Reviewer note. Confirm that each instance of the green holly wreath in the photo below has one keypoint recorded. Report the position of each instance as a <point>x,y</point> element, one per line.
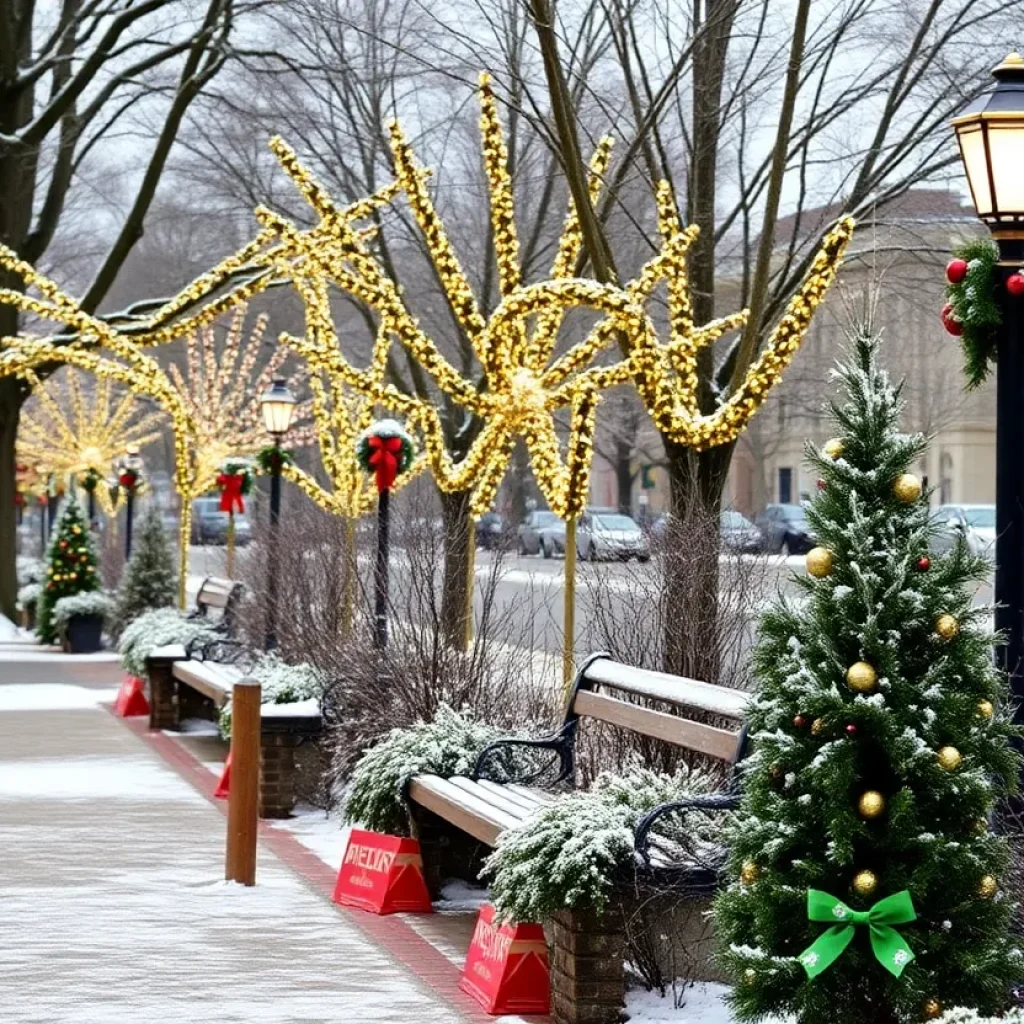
<point>971,311</point>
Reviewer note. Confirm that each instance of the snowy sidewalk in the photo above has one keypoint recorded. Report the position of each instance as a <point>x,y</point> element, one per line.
<point>111,906</point>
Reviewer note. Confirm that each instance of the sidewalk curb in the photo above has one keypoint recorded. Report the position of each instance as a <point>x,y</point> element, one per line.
<point>390,934</point>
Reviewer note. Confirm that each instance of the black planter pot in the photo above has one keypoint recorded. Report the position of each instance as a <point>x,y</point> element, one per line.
<point>85,634</point>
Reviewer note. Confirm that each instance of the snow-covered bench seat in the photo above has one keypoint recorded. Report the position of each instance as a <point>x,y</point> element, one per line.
<point>586,969</point>
<point>184,687</point>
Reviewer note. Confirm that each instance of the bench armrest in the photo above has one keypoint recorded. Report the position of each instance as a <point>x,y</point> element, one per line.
<point>706,802</point>
<point>223,649</point>
<point>561,743</point>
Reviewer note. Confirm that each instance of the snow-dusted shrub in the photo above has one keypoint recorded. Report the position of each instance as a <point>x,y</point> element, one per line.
<point>155,629</point>
<point>281,683</point>
<point>570,854</point>
<point>93,602</point>
<point>30,570</point>
<point>965,1015</point>
<point>448,745</point>
<point>28,595</point>
<point>150,579</point>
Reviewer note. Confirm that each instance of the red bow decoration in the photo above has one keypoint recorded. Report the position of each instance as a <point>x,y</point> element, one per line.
<point>230,485</point>
<point>384,452</point>
<point>128,479</point>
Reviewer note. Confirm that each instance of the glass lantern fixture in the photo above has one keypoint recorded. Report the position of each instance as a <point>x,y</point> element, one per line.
<point>278,405</point>
<point>990,131</point>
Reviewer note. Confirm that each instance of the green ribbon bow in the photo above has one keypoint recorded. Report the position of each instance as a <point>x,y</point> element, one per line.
<point>886,943</point>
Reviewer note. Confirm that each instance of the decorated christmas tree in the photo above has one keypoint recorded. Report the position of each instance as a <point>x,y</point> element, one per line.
<point>866,877</point>
<point>71,567</point>
<point>150,579</point>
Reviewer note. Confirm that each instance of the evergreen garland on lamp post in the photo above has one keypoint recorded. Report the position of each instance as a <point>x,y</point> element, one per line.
<point>91,479</point>
<point>385,449</point>
<point>129,478</point>
<point>866,882</point>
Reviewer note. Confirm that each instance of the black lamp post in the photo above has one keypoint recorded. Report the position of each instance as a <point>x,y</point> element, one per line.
<point>990,132</point>
<point>131,470</point>
<point>278,408</point>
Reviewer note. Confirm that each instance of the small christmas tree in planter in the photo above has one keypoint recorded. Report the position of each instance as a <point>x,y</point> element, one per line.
<point>79,621</point>
<point>71,569</point>
<point>866,876</point>
<point>150,579</point>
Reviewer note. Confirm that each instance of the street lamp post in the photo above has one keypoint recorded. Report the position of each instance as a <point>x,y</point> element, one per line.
<point>990,132</point>
<point>131,470</point>
<point>278,405</point>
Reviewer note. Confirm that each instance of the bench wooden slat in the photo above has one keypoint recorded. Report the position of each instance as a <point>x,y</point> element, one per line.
<point>538,796</point>
<point>690,693</point>
<point>480,820</point>
<point>529,800</point>
<point>492,795</point>
<point>707,739</point>
<point>213,681</point>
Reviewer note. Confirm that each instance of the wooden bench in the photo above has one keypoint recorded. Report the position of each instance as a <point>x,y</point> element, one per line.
<point>197,682</point>
<point>217,600</point>
<point>587,977</point>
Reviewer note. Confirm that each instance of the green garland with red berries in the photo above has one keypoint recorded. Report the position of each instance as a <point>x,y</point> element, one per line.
<point>971,312</point>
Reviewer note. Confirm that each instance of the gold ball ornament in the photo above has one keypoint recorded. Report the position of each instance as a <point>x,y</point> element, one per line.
<point>819,562</point>
<point>907,488</point>
<point>947,627</point>
<point>931,1008</point>
<point>865,883</point>
<point>750,975</point>
<point>985,709</point>
<point>980,826</point>
<point>749,873</point>
<point>950,758</point>
<point>818,726</point>
<point>871,804</point>
<point>860,676</point>
<point>987,886</point>
<point>833,448</point>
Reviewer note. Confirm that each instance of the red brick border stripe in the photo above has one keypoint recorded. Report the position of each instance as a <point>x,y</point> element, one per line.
<point>392,934</point>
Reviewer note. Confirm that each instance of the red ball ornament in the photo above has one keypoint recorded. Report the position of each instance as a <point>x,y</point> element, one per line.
<point>952,326</point>
<point>1015,284</point>
<point>799,721</point>
<point>821,485</point>
<point>851,729</point>
<point>924,563</point>
<point>956,271</point>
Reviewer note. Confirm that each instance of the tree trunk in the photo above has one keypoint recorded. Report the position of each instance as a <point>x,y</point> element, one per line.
<point>690,610</point>
<point>458,528</point>
<point>624,475</point>
<point>10,410</point>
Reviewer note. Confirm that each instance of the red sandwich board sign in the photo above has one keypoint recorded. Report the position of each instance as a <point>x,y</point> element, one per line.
<point>382,874</point>
<point>506,967</point>
<point>131,698</point>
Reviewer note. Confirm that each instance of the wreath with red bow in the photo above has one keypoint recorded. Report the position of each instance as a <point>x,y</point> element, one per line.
<point>91,479</point>
<point>385,449</point>
<point>234,482</point>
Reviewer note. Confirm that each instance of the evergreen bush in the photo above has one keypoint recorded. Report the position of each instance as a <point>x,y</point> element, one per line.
<point>447,745</point>
<point>882,744</point>
<point>571,854</point>
<point>71,567</point>
<point>156,628</point>
<point>280,683</point>
<point>150,579</point>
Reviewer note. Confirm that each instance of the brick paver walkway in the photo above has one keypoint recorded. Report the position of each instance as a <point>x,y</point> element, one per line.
<point>111,906</point>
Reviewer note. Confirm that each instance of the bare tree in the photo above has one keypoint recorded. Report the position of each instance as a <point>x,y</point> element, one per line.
<point>91,74</point>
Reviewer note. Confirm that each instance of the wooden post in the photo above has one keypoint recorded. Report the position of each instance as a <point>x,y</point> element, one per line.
<point>569,609</point>
<point>243,800</point>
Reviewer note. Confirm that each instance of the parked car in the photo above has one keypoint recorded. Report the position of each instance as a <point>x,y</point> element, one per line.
<point>738,533</point>
<point>610,535</point>
<point>785,530</point>
<point>534,528</point>
<point>210,525</point>
<point>975,523</point>
<point>490,531</point>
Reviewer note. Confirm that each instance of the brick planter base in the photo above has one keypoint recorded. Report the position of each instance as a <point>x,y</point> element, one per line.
<point>164,712</point>
<point>588,983</point>
<point>447,851</point>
